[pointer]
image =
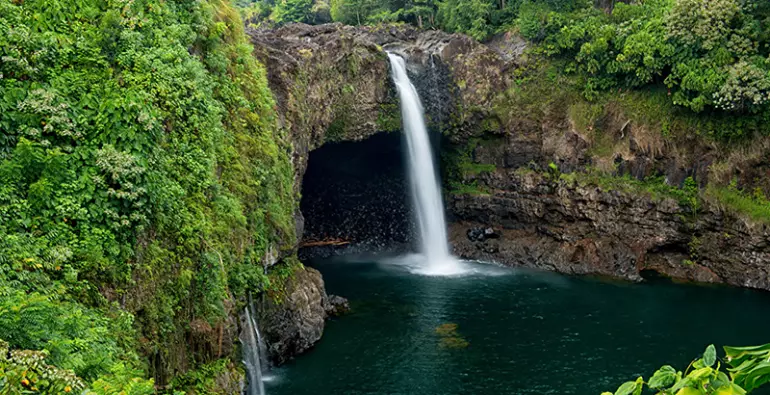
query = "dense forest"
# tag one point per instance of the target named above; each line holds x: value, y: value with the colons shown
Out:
x: 139, y: 146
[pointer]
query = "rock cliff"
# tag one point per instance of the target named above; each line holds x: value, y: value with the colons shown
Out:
x: 584, y: 229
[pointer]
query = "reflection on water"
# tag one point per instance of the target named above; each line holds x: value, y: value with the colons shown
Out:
x: 510, y: 331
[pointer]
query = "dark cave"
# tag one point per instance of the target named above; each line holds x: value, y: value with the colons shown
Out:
x: 356, y: 194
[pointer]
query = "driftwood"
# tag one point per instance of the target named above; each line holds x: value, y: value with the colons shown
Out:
x: 319, y: 243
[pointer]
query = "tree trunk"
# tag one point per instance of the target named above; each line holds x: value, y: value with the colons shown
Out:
x: 419, y: 21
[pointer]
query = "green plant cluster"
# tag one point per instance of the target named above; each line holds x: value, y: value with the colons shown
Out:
x: 755, y: 205
x: 141, y: 170
x: 656, y: 187
x: 711, y: 54
x: 748, y: 370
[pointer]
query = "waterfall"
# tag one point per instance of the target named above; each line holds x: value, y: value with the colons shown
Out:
x: 250, y: 339
x: 426, y: 195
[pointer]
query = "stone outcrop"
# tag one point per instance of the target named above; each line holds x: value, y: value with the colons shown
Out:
x: 527, y: 219
x: 332, y: 81
x: 292, y: 318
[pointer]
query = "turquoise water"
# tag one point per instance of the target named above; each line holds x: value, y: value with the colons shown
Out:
x: 526, y: 332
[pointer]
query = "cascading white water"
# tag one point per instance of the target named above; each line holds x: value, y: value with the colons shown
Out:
x: 426, y: 195
x: 250, y: 340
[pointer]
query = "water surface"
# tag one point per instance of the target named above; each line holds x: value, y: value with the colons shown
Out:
x: 526, y: 332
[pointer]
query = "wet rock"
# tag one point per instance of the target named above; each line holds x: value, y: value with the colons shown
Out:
x: 337, y: 306
x: 481, y: 234
x: 292, y: 319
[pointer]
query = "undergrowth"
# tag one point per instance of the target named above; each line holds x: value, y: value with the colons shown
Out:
x: 755, y: 206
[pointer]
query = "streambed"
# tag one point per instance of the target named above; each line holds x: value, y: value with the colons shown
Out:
x: 507, y: 331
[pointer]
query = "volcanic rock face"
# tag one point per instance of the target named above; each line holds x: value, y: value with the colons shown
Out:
x: 584, y: 230
x: 332, y: 81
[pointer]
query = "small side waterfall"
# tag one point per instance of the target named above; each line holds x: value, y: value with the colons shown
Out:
x: 426, y: 195
x: 252, y: 352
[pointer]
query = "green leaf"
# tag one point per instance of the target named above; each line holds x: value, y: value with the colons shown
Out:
x: 753, y: 378
x: 710, y: 355
x: 739, y: 355
x: 630, y: 388
x: 730, y: 389
x: 699, y: 374
x: 664, y: 377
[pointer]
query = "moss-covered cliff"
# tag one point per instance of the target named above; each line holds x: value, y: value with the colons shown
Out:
x: 145, y: 188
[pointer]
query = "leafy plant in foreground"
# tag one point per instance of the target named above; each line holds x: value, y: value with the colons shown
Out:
x: 749, y: 369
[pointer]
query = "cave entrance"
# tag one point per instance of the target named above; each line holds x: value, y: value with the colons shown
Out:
x: 356, y: 194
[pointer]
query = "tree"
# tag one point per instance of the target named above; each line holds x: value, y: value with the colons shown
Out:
x: 422, y: 10
x: 353, y: 12
x: 293, y: 11
x: 472, y: 17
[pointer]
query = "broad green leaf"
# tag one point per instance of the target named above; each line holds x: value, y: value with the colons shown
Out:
x: 745, y: 365
x: 753, y: 378
x: 729, y: 389
x: 690, y: 391
x: 699, y: 374
x: 710, y: 355
x: 685, y: 382
x: 664, y: 377
x: 738, y: 350
x: 630, y: 387
x: 721, y: 380
x: 738, y: 355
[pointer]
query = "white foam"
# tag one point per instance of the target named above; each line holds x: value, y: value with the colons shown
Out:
x: 419, y: 264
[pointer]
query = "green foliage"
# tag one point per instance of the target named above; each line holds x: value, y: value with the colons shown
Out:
x: 712, y: 55
x: 293, y: 11
x: 139, y: 161
x: 460, y: 169
x: 655, y: 187
x: 74, y: 337
x: 203, y: 380
x: 123, y: 380
x: 553, y: 172
x: 750, y: 365
x: 748, y: 370
x: 755, y: 206
x: 27, y: 372
x: 471, y: 17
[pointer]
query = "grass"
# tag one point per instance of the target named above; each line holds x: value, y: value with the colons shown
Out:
x: 754, y: 206
x: 456, y: 188
x: 655, y: 187
x: 469, y: 168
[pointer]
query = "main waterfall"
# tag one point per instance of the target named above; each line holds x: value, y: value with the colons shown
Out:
x: 426, y: 195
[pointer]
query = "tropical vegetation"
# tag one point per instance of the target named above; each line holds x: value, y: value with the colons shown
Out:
x: 745, y: 369
x: 142, y: 181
